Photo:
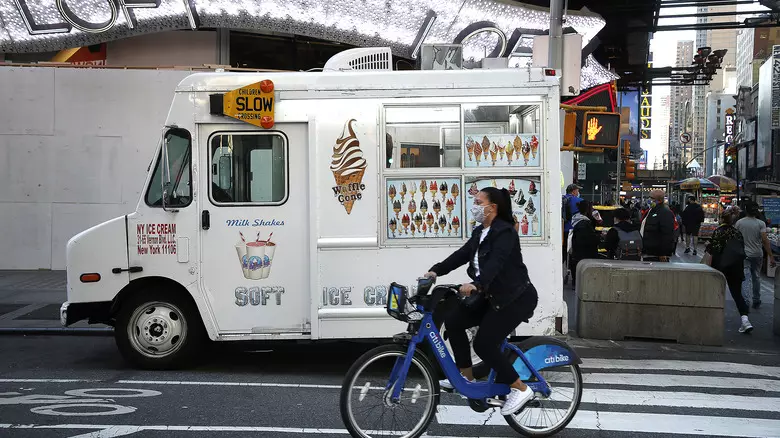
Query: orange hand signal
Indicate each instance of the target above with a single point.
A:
(593, 128)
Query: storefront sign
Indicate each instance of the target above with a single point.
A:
(729, 126)
(775, 87)
(484, 27)
(645, 114)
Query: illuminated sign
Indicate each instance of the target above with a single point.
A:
(601, 129)
(729, 126)
(253, 104)
(484, 27)
(645, 114)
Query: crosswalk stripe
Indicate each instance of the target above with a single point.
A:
(677, 399)
(670, 380)
(630, 422)
(682, 365)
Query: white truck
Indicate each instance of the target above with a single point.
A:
(281, 206)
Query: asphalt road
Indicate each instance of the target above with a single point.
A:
(80, 387)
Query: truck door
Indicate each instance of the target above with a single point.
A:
(254, 227)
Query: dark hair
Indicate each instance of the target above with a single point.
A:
(622, 214)
(751, 209)
(691, 199)
(586, 208)
(503, 202)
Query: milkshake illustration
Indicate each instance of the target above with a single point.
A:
(524, 225)
(535, 225)
(256, 258)
(347, 163)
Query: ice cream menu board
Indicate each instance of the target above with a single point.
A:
(526, 199)
(504, 150)
(423, 208)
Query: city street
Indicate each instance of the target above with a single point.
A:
(78, 386)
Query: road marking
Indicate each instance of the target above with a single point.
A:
(47, 381)
(111, 432)
(56, 409)
(632, 422)
(260, 384)
(682, 365)
(678, 400)
(117, 392)
(35, 399)
(670, 380)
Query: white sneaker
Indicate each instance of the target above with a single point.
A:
(746, 326)
(516, 400)
(448, 386)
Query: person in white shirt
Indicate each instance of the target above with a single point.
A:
(756, 242)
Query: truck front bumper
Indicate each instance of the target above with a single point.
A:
(96, 312)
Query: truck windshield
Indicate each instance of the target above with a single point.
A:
(179, 144)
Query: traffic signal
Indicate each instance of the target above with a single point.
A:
(601, 129)
(630, 169)
(626, 149)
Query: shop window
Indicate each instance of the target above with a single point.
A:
(424, 208)
(173, 169)
(248, 168)
(420, 137)
(502, 136)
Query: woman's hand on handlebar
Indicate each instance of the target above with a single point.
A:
(430, 274)
(467, 289)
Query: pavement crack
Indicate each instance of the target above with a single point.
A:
(490, 416)
(598, 420)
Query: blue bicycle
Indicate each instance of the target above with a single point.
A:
(405, 403)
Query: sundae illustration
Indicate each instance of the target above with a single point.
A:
(396, 208)
(393, 225)
(532, 188)
(509, 151)
(413, 189)
(470, 143)
(405, 223)
(433, 189)
(443, 188)
(473, 190)
(449, 230)
(391, 192)
(442, 223)
(412, 207)
(520, 200)
(424, 229)
(450, 205)
(255, 257)
(347, 162)
(455, 192)
(423, 188)
(494, 184)
(524, 225)
(424, 206)
(534, 146)
(512, 189)
(437, 207)
(530, 209)
(429, 220)
(485, 146)
(436, 229)
(403, 192)
(455, 224)
(418, 219)
(413, 228)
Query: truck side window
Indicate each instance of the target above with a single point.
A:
(248, 168)
(423, 136)
(179, 146)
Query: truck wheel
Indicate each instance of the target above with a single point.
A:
(156, 330)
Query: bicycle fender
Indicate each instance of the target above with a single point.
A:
(543, 352)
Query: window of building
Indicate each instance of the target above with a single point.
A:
(248, 168)
(172, 173)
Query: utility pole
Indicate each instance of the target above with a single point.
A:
(555, 54)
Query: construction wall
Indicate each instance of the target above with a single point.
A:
(75, 145)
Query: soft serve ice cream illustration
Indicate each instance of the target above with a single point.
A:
(256, 257)
(348, 166)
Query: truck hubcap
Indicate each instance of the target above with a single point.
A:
(157, 329)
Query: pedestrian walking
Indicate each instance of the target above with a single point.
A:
(569, 209)
(692, 217)
(726, 253)
(584, 238)
(658, 229)
(753, 232)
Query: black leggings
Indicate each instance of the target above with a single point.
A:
(494, 327)
(734, 281)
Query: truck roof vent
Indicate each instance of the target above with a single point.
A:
(369, 58)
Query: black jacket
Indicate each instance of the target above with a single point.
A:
(693, 216)
(585, 243)
(503, 275)
(612, 240)
(658, 238)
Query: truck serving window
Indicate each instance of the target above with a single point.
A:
(179, 147)
(422, 136)
(248, 168)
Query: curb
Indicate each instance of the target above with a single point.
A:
(56, 331)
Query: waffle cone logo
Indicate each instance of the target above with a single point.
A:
(348, 167)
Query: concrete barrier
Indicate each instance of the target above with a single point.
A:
(681, 302)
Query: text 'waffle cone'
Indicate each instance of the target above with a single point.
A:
(342, 180)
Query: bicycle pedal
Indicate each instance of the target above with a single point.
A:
(494, 402)
(533, 404)
(447, 390)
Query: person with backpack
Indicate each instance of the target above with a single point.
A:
(623, 240)
(568, 210)
(657, 230)
(693, 217)
(726, 253)
(584, 237)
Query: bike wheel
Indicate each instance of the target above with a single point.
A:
(363, 394)
(545, 416)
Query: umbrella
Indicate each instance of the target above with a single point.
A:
(696, 184)
(725, 183)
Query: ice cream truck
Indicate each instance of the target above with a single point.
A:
(280, 206)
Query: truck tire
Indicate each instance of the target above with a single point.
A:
(158, 330)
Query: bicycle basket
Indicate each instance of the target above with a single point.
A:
(396, 302)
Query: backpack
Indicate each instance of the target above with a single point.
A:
(733, 254)
(566, 213)
(629, 245)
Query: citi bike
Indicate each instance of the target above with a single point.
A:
(393, 390)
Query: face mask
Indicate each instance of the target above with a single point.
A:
(478, 213)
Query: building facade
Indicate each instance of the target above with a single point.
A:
(718, 106)
(680, 97)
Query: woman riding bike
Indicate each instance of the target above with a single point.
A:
(500, 296)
